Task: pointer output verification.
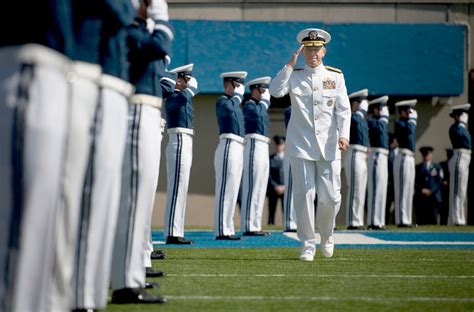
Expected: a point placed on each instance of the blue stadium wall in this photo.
(394, 59)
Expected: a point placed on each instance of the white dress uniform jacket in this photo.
(320, 110)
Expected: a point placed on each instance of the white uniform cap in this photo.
(381, 100)
(186, 69)
(237, 76)
(313, 37)
(463, 107)
(359, 94)
(410, 103)
(261, 82)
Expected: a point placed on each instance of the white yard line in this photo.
(327, 275)
(322, 298)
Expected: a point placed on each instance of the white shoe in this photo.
(307, 254)
(327, 246)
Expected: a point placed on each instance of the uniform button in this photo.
(316, 118)
(315, 89)
(316, 102)
(317, 132)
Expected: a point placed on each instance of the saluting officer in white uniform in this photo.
(179, 152)
(404, 163)
(318, 129)
(229, 155)
(355, 161)
(459, 164)
(256, 157)
(377, 163)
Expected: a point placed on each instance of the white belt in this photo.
(233, 137)
(406, 151)
(463, 151)
(35, 54)
(358, 147)
(121, 86)
(379, 150)
(145, 99)
(258, 137)
(85, 70)
(181, 130)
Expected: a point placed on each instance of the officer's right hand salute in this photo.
(294, 58)
(384, 113)
(265, 99)
(158, 10)
(239, 91)
(192, 86)
(412, 116)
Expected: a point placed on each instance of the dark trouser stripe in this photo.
(352, 188)
(17, 159)
(174, 196)
(134, 183)
(223, 187)
(400, 186)
(85, 213)
(288, 200)
(374, 187)
(250, 189)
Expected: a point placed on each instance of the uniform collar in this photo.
(314, 70)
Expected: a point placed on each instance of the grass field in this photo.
(273, 279)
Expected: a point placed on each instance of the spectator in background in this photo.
(443, 214)
(428, 197)
(276, 186)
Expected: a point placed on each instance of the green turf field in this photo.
(273, 279)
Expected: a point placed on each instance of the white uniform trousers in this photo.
(458, 178)
(254, 183)
(289, 213)
(34, 94)
(102, 189)
(309, 176)
(139, 181)
(377, 187)
(228, 164)
(85, 97)
(404, 186)
(179, 157)
(355, 165)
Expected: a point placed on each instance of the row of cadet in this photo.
(82, 87)
(366, 165)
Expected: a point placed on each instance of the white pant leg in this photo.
(289, 214)
(41, 159)
(95, 256)
(83, 108)
(377, 188)
(303, 173)
(328, 185)
(148, 252)
(179, 157)
(355, 165)
(254, 184)
(404, 179)
(228, 163)
(458, 179)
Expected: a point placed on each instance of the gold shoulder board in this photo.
(337, 70)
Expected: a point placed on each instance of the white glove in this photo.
(265, 96)
(239, 90)
(464, 118)
(150, 25)
(413, 114)
(192, 83)
(136, 4)
(158, 10)
(384, 112)
(364, 106)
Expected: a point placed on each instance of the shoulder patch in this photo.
(337, 70)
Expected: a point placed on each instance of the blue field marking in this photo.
(344, 239)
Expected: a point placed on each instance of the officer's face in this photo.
(313, 56)
(181, 83)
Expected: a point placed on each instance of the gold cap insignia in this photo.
(313, 35)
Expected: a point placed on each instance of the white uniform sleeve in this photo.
(279, 86)
(343, 110)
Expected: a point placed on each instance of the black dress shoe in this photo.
(376, 227)
(152, 285)
(257, 233)
(136, 295)
(290, 231)
(352, 227)
(150, 272)
(228, 237)
(178, 240)
(157, 255)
